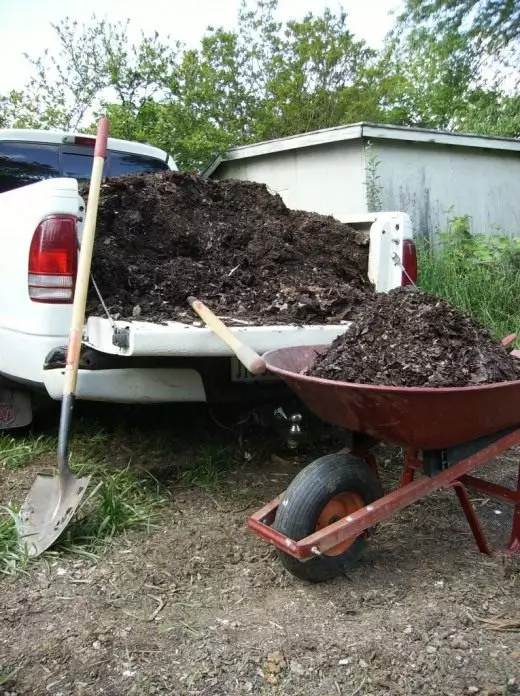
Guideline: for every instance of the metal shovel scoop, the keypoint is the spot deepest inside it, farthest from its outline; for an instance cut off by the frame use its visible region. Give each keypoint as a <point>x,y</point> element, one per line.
<point>53,500</point>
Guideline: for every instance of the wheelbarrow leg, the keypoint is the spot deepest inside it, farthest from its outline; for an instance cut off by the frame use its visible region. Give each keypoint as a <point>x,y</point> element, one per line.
<point>514,543</point>
<point>410,466</point>
<point>471,516</point>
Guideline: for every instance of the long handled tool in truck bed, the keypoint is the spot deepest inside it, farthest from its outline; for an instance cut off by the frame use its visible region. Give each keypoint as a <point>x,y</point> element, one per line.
<point>53,500</point>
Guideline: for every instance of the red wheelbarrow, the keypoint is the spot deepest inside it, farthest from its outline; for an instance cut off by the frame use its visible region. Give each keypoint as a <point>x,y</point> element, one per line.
<point>320,524</point>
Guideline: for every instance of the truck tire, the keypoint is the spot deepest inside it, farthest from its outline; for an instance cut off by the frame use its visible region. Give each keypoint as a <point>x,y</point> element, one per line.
<point>330,488</point>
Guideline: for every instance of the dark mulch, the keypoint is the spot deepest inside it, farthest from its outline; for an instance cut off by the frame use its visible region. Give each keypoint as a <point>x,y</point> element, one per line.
<point>411,338</point>
<point>163,237</point>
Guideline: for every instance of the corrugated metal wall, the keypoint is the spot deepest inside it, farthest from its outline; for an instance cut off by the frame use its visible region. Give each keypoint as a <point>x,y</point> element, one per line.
<point>429,181</point>
<point>329,179</point>
<point>434,182</point>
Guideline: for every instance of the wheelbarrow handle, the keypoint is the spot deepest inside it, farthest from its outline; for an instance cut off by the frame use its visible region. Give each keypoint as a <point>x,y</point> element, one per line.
<point>247,356</point>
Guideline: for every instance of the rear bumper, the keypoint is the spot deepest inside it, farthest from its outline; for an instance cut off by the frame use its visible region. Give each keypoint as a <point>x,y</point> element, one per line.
<point>131,385</point>
<point>150,380</point>
<point>36,363</point>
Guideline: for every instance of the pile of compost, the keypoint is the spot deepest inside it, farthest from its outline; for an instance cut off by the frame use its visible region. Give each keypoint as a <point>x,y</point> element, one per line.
<point>410,338</point>
<point>233,244</point>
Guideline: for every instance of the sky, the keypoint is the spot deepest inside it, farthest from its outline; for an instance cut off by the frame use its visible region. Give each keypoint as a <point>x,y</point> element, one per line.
<point>25,24</point>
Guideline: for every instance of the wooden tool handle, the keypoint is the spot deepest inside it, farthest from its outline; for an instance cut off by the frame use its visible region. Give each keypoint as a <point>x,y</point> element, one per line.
<point>508,340</point>
<point>247,356</point>
<point>85,260</point>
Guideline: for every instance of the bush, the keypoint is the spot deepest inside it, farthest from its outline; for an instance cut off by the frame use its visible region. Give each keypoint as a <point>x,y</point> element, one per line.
<point>478,273</point>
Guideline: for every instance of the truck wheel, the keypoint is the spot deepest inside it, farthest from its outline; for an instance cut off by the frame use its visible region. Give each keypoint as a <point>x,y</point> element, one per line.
<point>330,488</point>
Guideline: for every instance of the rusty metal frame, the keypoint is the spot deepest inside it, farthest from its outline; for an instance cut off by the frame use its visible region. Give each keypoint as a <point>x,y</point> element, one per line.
<point>409,491</point>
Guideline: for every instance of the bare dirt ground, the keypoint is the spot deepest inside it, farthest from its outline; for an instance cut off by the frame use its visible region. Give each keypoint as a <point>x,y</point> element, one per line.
<point>197,605</point>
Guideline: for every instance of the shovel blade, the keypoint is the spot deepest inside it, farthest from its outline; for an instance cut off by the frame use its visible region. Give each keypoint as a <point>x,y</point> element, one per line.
<point>47,510</point>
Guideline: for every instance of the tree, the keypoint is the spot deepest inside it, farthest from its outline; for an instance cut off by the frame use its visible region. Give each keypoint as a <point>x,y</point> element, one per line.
<point>262,80</point>
<point>93,62</point>
<point>490,32</point>
<point>425,80</point>
<point>494,22</point>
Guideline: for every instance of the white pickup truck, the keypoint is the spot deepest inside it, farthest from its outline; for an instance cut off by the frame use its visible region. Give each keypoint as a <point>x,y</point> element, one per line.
<point>41,213</point>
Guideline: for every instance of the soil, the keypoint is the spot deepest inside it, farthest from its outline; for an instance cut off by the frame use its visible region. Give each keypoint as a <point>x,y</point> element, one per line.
<point>198,606</point>
<point>410,338</point>
<point>233,244</point>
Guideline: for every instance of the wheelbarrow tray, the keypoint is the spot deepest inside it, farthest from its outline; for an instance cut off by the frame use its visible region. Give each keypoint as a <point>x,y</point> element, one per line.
<point>417,418</point>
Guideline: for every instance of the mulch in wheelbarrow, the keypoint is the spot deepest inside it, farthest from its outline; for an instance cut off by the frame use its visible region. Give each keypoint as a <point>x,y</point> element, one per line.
<point>411,338</point>
<point>235,245</point>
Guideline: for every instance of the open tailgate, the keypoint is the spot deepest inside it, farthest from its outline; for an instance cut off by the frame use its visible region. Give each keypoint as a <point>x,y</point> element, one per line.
<point>139,338</point>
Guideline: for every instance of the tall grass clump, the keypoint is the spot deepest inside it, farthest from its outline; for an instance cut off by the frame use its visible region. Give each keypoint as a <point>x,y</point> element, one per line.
<point>477,273</point>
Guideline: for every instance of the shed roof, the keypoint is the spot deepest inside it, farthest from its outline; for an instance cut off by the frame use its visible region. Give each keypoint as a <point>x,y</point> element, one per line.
<point>357,131</point>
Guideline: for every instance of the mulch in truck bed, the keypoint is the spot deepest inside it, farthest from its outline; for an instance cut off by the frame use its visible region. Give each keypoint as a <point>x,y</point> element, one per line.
<point>410,338</point>
<point>233,244</point>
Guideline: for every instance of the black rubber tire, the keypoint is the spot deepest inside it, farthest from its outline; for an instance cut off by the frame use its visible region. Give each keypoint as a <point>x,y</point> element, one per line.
<point>303,502</point>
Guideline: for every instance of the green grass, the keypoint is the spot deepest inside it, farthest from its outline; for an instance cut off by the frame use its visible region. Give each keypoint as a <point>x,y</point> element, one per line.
<point>16,452</point>
<point>131,466</point>
<point>120,497</point>
<point>209,466</point>
<point>489,290</point>
<point>7,677</point>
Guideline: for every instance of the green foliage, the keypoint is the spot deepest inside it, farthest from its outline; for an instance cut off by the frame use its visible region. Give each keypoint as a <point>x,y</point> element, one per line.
<point>373,184</point>
<point>208,469</point>
<point>491,113</point>
<point>267,79</point>
<point>476,272</point>
<point>427,79</point>
<point>494,22</point>
<point>119,499</point>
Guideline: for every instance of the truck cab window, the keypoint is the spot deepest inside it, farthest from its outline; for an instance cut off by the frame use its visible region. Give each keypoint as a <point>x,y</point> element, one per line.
<point>122,164</point>
<point>78,164</point>
<point>27,163</point>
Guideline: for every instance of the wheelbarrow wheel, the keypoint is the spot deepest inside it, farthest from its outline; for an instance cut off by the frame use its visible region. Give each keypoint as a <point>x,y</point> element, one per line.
<point>330,488</point>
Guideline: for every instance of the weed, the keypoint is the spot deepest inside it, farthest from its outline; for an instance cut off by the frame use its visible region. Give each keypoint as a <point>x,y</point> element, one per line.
<point>17,452</point>
<point>120,498</point>
<point>12,559</point>
<point>478,273</point>
<point>6,678</point>
<point>206,472</point>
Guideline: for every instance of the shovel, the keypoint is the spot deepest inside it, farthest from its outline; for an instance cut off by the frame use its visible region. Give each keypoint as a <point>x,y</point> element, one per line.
<point>247,356</point>
<point>53,500</point>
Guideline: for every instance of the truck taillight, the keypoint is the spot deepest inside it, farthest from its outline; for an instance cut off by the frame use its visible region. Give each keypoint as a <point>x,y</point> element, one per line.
<point>53,260</point>
<point>409,275</point>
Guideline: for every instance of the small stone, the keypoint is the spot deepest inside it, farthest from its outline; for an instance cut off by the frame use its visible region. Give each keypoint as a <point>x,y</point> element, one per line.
<point>473,689</point>
<point>96,645</point>
<point>344,661</point>
<point>431,649</point>
<point>363,664</point>
<point>408,630</point>
<point>458,643</point>
<point>297,668</point>
<point>136,311</point>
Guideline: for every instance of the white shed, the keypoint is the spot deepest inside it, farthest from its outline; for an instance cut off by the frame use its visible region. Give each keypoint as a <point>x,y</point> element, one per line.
<point>430,175</point>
